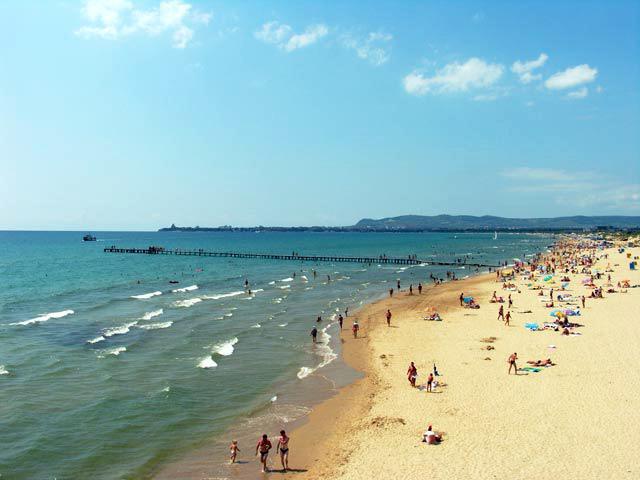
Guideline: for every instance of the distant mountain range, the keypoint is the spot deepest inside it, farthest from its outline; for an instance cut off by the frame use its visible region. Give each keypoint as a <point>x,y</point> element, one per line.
<point>440,223</point>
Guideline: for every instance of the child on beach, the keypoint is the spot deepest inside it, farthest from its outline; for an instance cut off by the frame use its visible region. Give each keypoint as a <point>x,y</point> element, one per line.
<point>233,451</point>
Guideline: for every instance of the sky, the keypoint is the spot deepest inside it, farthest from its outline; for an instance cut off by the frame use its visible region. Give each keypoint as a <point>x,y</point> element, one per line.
<point>135,114</point>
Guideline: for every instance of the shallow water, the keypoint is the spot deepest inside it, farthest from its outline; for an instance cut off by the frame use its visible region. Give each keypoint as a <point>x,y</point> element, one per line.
<point>107,370</point>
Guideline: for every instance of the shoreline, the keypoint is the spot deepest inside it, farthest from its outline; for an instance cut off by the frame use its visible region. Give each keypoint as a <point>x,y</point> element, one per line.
<point>318,442</point>
<point>527,422</point>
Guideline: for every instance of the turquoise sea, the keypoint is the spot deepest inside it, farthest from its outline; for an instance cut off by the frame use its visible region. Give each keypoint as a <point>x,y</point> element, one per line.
<point>107,370</point>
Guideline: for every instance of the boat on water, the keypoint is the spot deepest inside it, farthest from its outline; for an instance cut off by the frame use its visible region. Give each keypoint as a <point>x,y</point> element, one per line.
<point>89,238</point>
<point>495,235</point>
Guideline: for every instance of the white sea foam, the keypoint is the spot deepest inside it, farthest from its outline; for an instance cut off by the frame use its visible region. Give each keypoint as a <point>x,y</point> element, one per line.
<point>272,283</point>
<point>284,287</point>
<point>257,325</point>
<point>44,317</point>
<point>283,324</point>
<point>115,351</point>
<point>3,370</point>
<point>156,326</point>
<point>224,295</point>
<point>96,340</point>
<point>207,362</point>
<point>304,278</point>
<point>185,289</point>
<point>228,314</point>
<point>190,302</point>
<point>274,398</point>
<point>225,348</point>
<point>150,315</point>
<point>323,350</point>
<point>121,330</point>
<point>288,279</point>
<point>147,295</point>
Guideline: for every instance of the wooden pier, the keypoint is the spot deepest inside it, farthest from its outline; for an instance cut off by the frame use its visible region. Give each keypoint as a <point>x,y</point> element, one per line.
<point>297,258</point>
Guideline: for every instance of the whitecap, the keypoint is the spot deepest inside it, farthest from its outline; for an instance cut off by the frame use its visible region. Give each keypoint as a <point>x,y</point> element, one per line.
<point>3,370</point>
<point>283,324</point>
<point>115,351</point>
<point>274,398</point>
<point>187,303</point>
<point>96,340</point>
<point>147,295</point>
<point>224,295</point>
<point>150,315</point>
<point>228,314</point>
<point>225,348</point>
<point>304,372</point>
<point>207,362</point>
<point>288,279</point>
<point>272,283</point>
<point>44,317</point>
<point>185,289</point>
<point>121,330</point>
<point>304,278</point>
<point>156,326</point>
<point>257,325</point>
<point>284,287</point>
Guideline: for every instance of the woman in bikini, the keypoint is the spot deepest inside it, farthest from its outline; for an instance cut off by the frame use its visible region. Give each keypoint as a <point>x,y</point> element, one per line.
<point>283,448</point>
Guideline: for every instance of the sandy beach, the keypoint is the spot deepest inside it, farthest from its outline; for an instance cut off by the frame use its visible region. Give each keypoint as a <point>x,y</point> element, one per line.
<point>577,419</point>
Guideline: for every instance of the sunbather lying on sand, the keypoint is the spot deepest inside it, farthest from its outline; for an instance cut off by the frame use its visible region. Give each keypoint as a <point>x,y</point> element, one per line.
<point>541,363</point>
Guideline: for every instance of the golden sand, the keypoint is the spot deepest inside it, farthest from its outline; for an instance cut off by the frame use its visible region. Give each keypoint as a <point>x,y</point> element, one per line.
<point>579,419</point>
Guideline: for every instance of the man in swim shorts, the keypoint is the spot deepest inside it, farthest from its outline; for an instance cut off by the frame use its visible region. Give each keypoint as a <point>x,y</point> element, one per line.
<point>512,363</point>
<point>430,382</point>
<point>388,318</point>
<point>263,447</point>
<point>314,334</point>
<point>340,320</point>
<point>283,449</point>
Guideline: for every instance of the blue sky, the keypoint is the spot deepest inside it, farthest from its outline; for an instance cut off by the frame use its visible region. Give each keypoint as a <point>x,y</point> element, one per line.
<point>134,114</point>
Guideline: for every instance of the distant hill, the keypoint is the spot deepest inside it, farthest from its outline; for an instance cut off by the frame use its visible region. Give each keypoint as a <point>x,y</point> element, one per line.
<point>488,222</point>
<point>420,223</point>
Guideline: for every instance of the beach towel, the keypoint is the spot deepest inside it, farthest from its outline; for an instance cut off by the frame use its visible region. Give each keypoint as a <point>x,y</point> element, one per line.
<point>530,369</point>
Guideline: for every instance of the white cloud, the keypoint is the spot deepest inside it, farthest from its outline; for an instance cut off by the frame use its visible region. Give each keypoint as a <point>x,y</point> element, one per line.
<point>571,77</point>
<point>578,188</point>
<point>374,47</point>
<point>113,19</point>
<point>578,94</point>
<point>455,77</point>
<point>284,37</point>
<point>524,70</point>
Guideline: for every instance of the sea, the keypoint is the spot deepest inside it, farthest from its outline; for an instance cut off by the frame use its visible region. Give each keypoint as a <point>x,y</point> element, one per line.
<point>126,366</point>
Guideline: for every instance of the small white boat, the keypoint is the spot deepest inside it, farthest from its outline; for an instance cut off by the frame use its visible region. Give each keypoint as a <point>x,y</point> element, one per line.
<point>495,235</point>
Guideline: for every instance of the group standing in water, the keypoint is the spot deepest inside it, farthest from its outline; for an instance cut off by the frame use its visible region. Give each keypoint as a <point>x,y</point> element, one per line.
<point>263,448</point>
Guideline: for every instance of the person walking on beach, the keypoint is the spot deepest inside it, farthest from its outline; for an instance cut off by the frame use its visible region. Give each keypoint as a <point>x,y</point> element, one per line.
<point>391,293</point>
<point>398,285</point>
<point>582,299</point>
<point>233,451</point>
<point>355,328</point>
<point>340,320</point>
<point>501,313</point>
<point>512,363</point>
<point>283,449</point>
<point>507,318</point>
<point>510,301</point>
<point>346,312</point>
<point>462,299</point>
<point>412,374</point>
<point>430,383</point>
<point>411,289</point>
<point>419,288</point>
<point>314,334</point>
<point>263,447</point>
<point>388,318</point>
